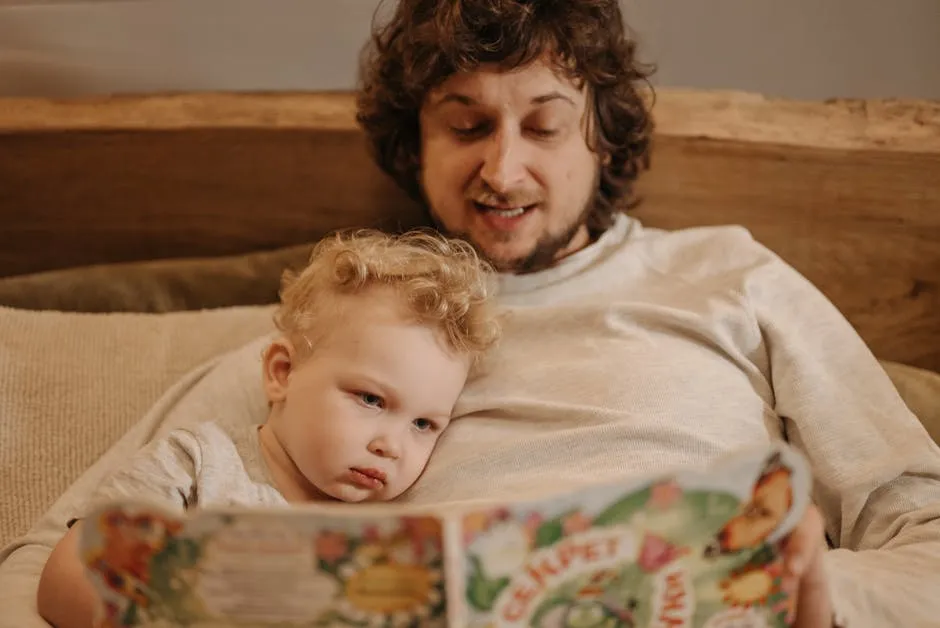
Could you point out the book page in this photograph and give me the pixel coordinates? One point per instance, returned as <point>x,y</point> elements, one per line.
<point>693,549</point>
<point>284,567</point>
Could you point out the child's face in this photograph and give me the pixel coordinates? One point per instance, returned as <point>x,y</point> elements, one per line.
<point>359,416</point>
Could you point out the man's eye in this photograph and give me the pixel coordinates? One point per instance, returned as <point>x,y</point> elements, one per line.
<point>371,400</point>
<point>468,132</point>
<point>424,425</point>
<point>543,133</point>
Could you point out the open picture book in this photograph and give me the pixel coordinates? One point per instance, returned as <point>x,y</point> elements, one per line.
<point>693,548</point>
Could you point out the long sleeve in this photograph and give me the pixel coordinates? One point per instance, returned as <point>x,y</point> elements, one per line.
<point>164,471</point>
<point>877,472</point>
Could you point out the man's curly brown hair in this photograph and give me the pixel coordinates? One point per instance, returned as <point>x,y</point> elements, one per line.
<point>426,41</point>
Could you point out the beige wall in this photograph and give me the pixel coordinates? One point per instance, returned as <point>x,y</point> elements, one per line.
<point>794,48</point>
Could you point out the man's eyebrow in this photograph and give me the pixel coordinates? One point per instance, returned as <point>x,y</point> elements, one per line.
<point>541,99</point>
<point>458,98</point>
<point>550,96</point>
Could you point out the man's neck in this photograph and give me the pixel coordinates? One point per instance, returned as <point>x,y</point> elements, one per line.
<point>579,240</point>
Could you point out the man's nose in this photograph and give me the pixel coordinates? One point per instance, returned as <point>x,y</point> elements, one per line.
<point>504,161</point>
<point>385,447</point>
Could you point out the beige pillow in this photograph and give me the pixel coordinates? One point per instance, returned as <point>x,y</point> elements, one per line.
<point>72,384</point>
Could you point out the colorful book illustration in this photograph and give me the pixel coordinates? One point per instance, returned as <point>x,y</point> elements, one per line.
<point>690,549</point>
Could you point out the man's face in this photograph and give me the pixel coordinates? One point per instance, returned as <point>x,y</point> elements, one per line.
<point>505,163</point>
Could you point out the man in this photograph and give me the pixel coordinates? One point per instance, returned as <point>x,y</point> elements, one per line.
<point>519,126</point>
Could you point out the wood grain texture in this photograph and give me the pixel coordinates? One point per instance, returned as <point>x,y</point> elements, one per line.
<point>847,191</point>
<point>905,125</point>
<point>883,125</point>
<point>71,199</point>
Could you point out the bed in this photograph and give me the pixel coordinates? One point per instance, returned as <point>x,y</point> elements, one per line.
<point>143,238</point>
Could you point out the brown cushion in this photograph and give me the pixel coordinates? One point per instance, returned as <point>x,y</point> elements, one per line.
<point>920,389</point>
<point>156,286</point>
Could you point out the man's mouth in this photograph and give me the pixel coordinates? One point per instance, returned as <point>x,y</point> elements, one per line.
<point>504,211</point>
<point>367,477</point>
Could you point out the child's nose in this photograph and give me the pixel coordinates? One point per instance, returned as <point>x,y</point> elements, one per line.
<point>384,447</point>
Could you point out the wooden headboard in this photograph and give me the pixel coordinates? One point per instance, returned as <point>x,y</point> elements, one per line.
<point>847,191</point>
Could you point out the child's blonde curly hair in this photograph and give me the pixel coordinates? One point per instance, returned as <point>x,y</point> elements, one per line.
<point>441,281</point>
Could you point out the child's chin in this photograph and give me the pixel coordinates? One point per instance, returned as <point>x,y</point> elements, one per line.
<point>351,494</point>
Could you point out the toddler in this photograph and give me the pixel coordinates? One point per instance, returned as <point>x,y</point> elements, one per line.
<point>377,336</point>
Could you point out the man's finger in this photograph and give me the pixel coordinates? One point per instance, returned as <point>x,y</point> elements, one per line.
<point>804,542</point>
<point>803,556</point>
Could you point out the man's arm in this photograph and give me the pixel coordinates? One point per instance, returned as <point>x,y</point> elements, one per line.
<point>876,470</point>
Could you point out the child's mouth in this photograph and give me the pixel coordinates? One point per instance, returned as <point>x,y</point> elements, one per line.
<point>367,477</point>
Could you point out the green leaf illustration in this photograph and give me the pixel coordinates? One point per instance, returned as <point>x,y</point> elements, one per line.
<point>331,568</point>
<point>169,592</point>
<point>547,606</point>
<point>130,615</point>
<point>481,592</point>
<point>623,510</point>
<point>549,532</point>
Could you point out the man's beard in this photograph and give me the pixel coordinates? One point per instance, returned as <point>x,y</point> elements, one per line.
<point>542,256</point>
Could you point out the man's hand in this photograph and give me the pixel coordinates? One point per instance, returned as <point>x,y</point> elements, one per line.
<point>804,575</point>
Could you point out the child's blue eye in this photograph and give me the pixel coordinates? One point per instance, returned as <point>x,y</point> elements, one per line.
<point>423,425</point>
<point>371,400</point>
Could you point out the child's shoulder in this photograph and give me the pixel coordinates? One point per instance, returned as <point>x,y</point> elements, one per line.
<point>228,463</point>
<point>204,440</point>
<point>208,431</point>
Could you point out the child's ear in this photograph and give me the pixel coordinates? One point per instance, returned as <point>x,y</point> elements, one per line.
<point>276,365</point>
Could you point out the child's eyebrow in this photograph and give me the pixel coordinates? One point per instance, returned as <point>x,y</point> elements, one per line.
<point>367,380</point>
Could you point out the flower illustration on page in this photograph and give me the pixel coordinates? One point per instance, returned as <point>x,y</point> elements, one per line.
<point>531,524</point>
<point>657,552</point>
<point>576,522</point>
<point>331,546</point>
<point>665,494</point>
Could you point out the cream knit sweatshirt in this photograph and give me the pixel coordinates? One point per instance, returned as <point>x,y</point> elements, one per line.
<point>651,350</point>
